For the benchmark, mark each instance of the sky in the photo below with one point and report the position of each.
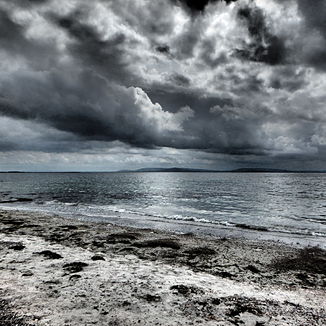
(106, 85)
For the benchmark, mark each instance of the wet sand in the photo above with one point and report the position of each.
(55, 271)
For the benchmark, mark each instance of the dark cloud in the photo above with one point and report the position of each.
(314, 15)
(200, 5)
(163, 48)
(196, 5)
(208, 57)
(264, 46)
(12, 35)
(148, 75)
(288, 78)
(93, 51)
(180, 80)
(29, 3)
(15, 43)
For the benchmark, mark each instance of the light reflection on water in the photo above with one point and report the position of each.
(288, 203)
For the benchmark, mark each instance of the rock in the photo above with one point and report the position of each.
(68, 227)
(185, 289)
(224, 274)
(260, 323)
(253, 269)
(216, 301)
(98, 244)
(152, 298)
(49, 254)
(10, 318)
(17, 247)
(158, 243)
(12, 222)
(200, 251)
(24, 199)
(74, 267)
(97, 257)
(311, 260)
(124, 235)
(16, 200)
(252, 227)
(244, 305)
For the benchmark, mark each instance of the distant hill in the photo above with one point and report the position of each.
(174, 169)
(261, 170)
(242, 170)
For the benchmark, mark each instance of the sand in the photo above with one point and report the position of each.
(55, 271)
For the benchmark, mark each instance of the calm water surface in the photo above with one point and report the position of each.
(285, 204)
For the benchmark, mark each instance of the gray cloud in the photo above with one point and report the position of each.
(221, 77)
(196, 6)
(264, 46)
(314, 15)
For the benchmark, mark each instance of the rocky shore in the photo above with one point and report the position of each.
(55, 271)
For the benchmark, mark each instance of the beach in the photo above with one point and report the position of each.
(56, 271)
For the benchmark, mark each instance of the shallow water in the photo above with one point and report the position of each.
(286, 204)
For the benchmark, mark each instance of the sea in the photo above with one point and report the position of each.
(287, 207)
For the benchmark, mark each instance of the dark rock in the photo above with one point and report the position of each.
(76, 235)
(74, 267)
(31, 226)
(10, 318)
(152, 298)
(186, 289)
(224, 274)
(97, 257)
(27, 274)
(242, 305)
(74, 277)
(182, 289)
(310, 259)
(52, 282)
(16, 200)
(119, 240)
(49, 254)
(200, 251)
(55, 237)
(24, 199)
(68, 227)
(124, 235)
(253, 269)
(98, 244)
(17, 247)
(12, 222)
(216, 301)
(126, 303)
(158, 243)
(252, 227)
(127, 249)
(306, 279)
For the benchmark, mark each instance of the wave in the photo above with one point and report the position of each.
(103, 212)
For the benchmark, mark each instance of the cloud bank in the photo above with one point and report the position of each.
(225, 82)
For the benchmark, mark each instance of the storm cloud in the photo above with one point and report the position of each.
(220, 81)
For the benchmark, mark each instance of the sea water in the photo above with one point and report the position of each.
(258, 205)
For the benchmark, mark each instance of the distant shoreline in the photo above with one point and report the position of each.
(181, 170)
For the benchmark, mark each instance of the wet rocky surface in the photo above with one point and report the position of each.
(212, 269)
(236, 259)
(8, 317)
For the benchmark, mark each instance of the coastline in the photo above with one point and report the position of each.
(56, 271)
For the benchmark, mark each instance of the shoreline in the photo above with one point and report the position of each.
(58, 271)
(215, 230)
